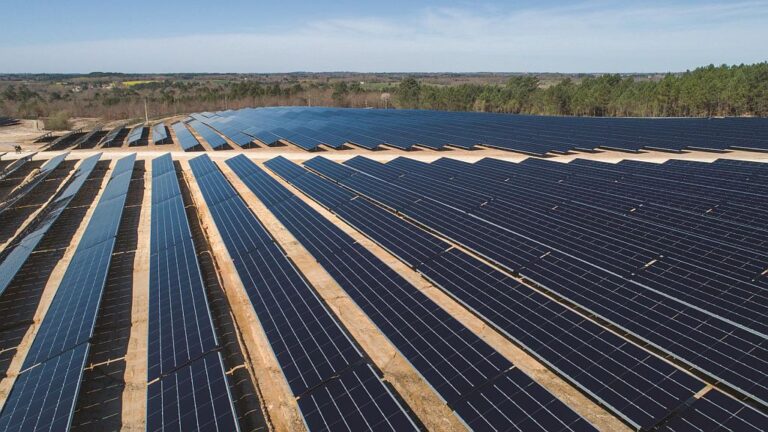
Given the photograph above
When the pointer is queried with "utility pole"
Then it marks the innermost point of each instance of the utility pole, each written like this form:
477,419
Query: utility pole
146,113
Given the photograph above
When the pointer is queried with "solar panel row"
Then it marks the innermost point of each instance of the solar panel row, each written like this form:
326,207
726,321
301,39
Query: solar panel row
160,134
335,386
112,139
619,243
640,388
310,127
187,141
482,387
14,257
726,352
209,135
44,394
226,126
136,135
188,388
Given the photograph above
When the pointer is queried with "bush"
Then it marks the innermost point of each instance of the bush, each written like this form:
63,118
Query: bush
58,121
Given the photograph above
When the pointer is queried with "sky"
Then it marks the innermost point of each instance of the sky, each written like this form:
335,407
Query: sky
78,36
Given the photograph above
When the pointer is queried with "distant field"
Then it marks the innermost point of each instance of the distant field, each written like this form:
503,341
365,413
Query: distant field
135,83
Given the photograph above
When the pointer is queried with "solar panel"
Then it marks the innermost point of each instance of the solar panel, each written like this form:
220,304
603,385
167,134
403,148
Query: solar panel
194,397
716,411
187,141
334,385
214,139
187,385
180,323
159,134
640,388
13,259
45,392
452,359
135,135
716,347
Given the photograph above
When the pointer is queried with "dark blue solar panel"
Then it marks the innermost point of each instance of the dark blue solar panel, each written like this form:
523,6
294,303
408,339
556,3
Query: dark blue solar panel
187,141
537,135
44,397
717,412
642,389
324,368
193,398
456,362
719,348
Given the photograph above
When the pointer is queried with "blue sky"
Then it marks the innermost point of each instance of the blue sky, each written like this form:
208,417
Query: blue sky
382,35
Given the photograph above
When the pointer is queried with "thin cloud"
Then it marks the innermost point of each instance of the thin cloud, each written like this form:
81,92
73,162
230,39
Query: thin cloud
589,36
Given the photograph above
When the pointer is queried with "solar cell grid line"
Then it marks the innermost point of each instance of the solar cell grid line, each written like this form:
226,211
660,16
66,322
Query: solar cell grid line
716,411
650,387
719,349
42,398
334,384
193,397
180,324
452,359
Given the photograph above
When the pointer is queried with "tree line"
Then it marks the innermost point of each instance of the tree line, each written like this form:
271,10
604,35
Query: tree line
740,90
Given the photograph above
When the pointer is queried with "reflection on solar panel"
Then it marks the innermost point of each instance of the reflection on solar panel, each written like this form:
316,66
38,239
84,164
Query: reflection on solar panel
716,346
188,388
335,386
307,127
640,388
45,392
114,138
23,189
159,134
480,385
14,258
136,135
187,141
209,135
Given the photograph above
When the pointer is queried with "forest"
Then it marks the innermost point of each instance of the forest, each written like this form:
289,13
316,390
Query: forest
739,90
704,92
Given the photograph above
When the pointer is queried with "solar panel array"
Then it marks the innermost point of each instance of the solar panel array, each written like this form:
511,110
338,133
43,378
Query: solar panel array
641,389
187,385
483,388
187,141
335,385
44,394
160,134
462,201
309,128
14,257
